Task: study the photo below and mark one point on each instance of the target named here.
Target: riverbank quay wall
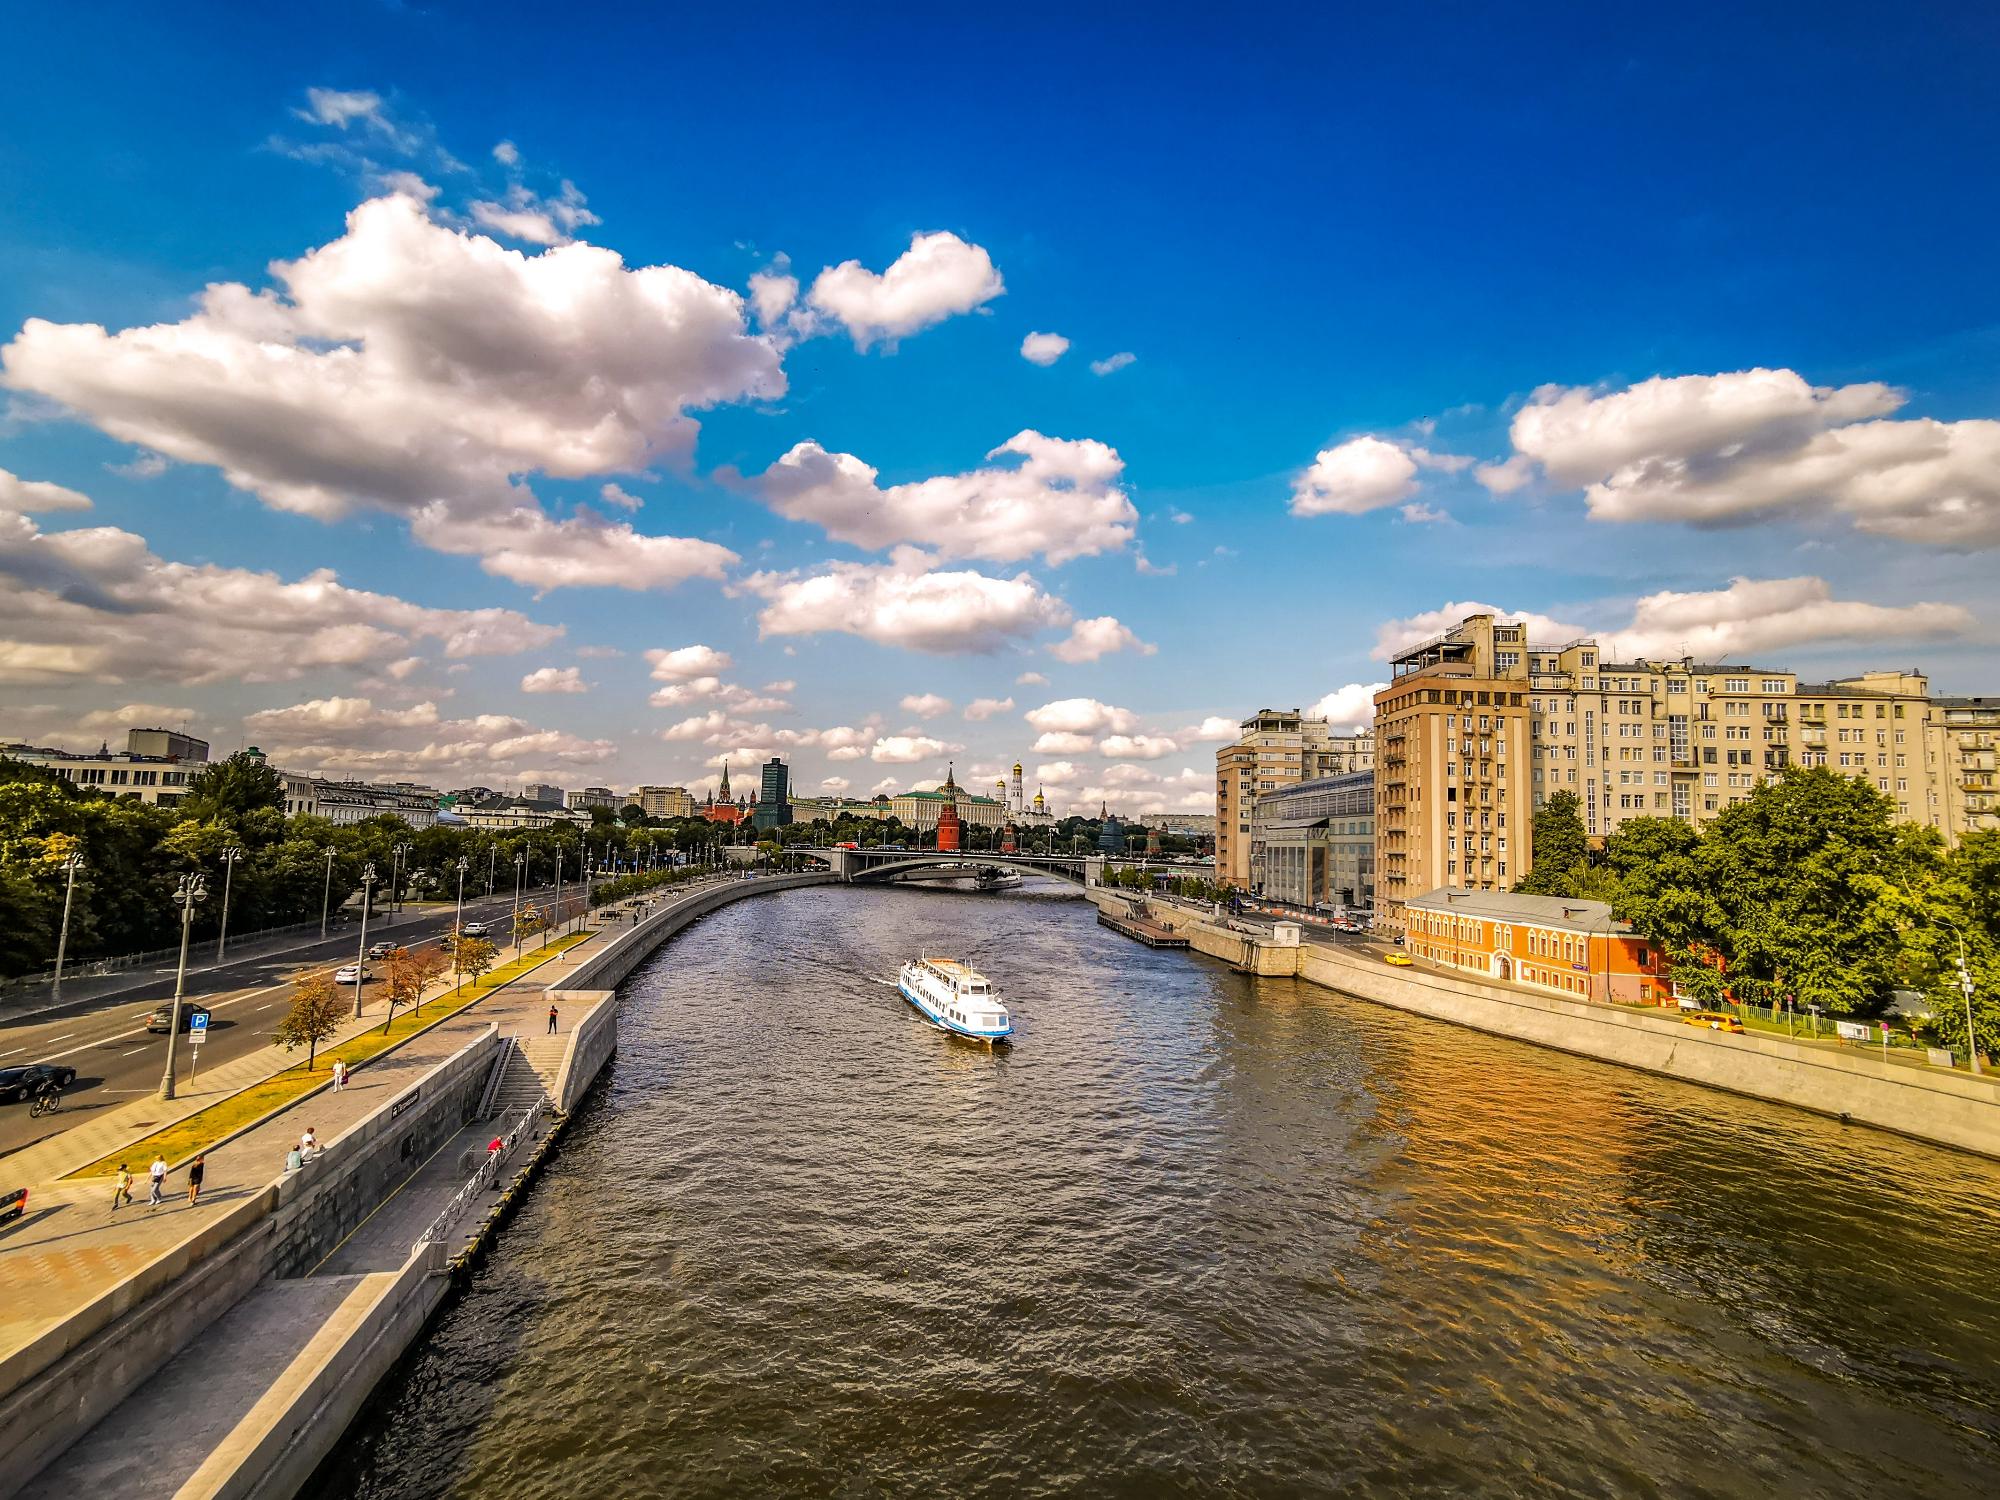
(54, 1390)
(295, 1426)
(1934, 1106)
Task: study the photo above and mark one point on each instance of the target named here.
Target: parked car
(28, 1079)
(1401, 960)
(161, 1017)
(1714, 1020)
(353, 974)
(473, 929)
(381, 950)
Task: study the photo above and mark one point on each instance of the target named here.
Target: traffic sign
(197, 1028)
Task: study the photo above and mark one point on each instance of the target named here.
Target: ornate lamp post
(231, 857)
(559, 897)
(70, 867)
(492, 866)
(520, 877)
(463, 865)
(326, 895)
(191, 890)
(397, 853)
(361, 951)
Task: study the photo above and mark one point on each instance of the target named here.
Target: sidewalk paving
(72, 1247)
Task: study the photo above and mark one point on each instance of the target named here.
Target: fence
(482, 1179)
(98, 968)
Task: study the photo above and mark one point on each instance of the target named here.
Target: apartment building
(1279, 747)
(1452, 734)
(155, 766)
(1965, 734)
(663, 801)
(1687, 739)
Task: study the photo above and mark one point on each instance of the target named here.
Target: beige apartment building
(663, 801)
(1452, 736)
(1279, 747)
(1686, 739)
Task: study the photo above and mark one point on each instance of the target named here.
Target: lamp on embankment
(191, 890)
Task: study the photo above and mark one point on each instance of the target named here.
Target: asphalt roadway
(117, 1059)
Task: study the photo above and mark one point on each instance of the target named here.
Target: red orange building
(1561, 945)
(947, 829)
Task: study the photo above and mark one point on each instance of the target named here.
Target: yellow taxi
(1714, 1020)
(1400, 960)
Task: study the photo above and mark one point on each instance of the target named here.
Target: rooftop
(1567, 913)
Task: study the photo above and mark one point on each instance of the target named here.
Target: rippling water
(1195, 1233)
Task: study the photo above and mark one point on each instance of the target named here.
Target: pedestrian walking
(158, 1172)
(194, 1180)
(339, 1075)
(552, 1020)
(123, 1192)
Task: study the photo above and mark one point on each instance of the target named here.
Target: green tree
(229, 788)
(315, 1014)
(1556, 847)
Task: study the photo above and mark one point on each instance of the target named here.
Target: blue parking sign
(197, 1028)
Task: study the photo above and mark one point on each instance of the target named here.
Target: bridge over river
(871, 865)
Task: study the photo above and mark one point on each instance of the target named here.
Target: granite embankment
(1849, 1083)
(235, 1370)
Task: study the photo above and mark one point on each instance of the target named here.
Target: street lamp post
(230, 858)
(520, 875)
(361, 951)
(492, 865)
(398, 853)
(192, 889)
(70, 868)
(459, 925)
(559, 897)
(1965, 989)
(326, 896)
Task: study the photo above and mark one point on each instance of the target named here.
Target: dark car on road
(26, 1081)
(161, 1017)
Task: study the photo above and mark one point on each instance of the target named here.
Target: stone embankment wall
(60, 1386)
(1932, 1105)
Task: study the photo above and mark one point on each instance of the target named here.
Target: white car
(351, 974)
(474, 929)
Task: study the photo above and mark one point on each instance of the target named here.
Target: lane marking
(10, 1054)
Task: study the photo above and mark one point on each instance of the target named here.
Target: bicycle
(47, 1100)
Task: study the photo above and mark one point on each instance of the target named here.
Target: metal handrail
(483, 1177)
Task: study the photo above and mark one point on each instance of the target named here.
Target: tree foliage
(1557, 847)
(1809, 891)
(315, 1014)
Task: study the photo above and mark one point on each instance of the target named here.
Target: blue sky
(1425, 309)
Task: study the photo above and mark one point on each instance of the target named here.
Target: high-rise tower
(1016, 800)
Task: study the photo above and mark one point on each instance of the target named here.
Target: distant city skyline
(595, 429)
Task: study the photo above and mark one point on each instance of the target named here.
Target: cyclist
(48, 1098)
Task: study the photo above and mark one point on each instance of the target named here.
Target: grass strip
(207, 1128)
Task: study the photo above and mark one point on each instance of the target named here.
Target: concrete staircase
(527, 1071)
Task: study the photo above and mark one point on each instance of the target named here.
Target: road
(117, 1060)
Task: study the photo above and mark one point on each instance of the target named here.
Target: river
(1194, 1233)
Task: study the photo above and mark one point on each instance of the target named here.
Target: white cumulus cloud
(555, 680)
(905, 604)
(1044, 348)
(939, 276)
(1366, 473)
(1137, 746)
(1086, 716)
(987, 708)
(927, 705)
(684, 663)
(1113, 363)
(1090, 639)
(417, 369)
(1349, 707)
(1749, 444)
(1062, 500)
(908, 749)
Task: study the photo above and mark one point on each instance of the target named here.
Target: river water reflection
(1196, 1233)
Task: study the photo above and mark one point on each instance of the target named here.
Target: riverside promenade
(222, 1348)
(71, 1247)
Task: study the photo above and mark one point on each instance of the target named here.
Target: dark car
(26, 1081)
(161, 1017)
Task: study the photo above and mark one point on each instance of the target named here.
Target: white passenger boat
(955, 997)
